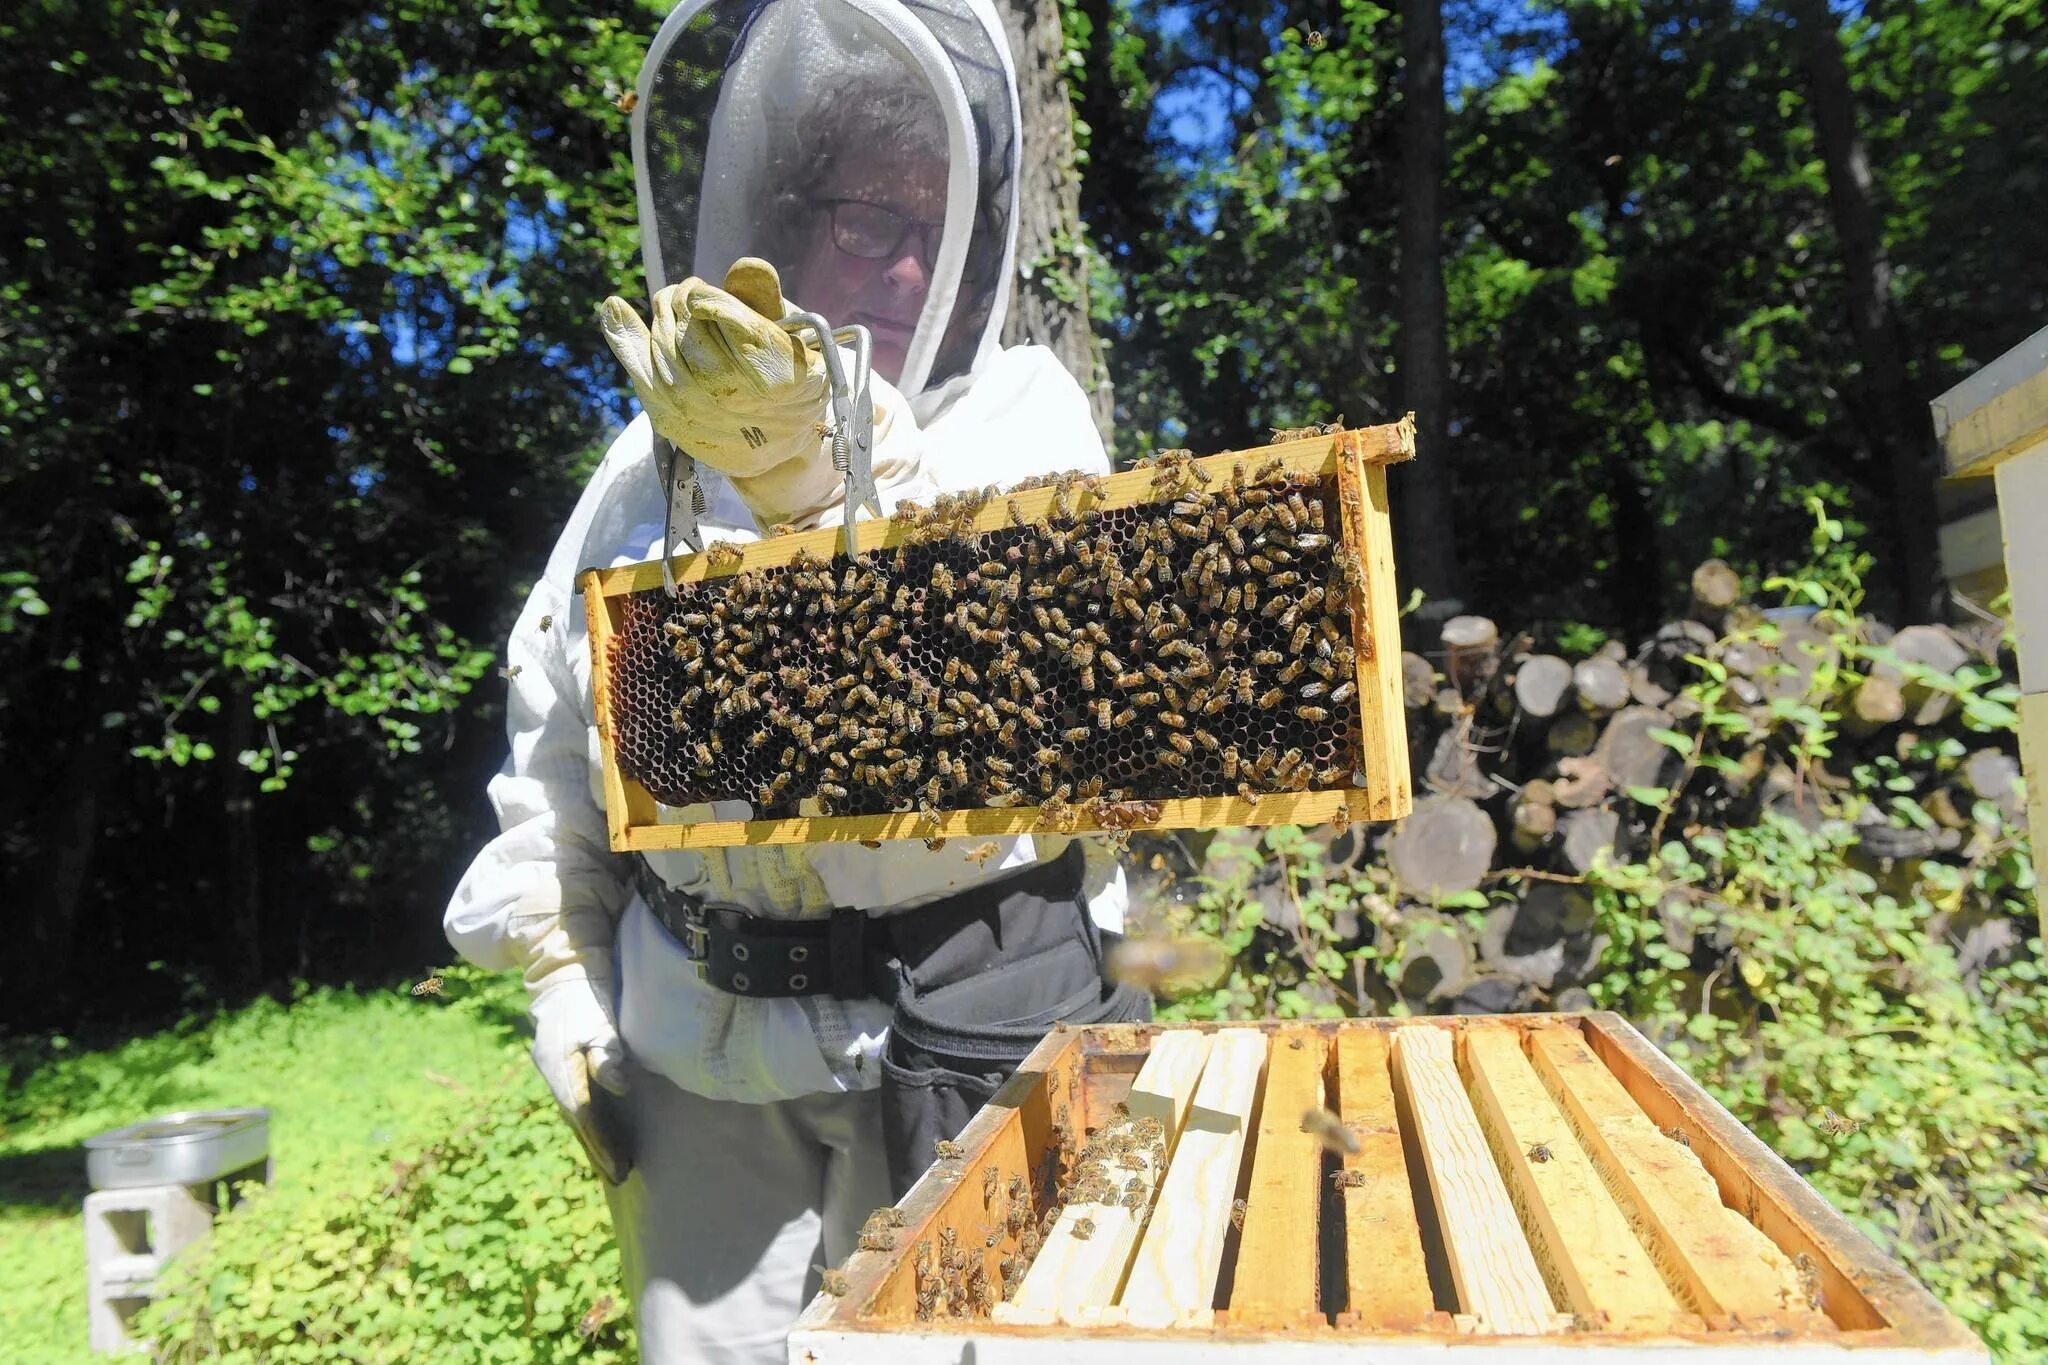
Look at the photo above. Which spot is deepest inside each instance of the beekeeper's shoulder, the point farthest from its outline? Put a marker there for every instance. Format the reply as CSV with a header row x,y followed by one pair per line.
x,y
621,492
1022,414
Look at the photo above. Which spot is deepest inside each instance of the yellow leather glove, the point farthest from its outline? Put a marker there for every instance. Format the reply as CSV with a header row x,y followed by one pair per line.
x,y
720,378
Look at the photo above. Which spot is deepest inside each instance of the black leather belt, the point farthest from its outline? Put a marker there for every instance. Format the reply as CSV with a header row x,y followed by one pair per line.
x,y
848,954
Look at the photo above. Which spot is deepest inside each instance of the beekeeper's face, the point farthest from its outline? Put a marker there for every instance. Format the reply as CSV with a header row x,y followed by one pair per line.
x,y
869,256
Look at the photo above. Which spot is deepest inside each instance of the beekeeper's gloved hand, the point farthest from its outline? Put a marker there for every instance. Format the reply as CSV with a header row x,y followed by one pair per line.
x,y
577,1049
720,378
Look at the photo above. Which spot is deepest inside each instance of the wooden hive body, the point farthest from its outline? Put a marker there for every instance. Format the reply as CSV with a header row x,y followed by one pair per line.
x,y
1353,730
1524,1188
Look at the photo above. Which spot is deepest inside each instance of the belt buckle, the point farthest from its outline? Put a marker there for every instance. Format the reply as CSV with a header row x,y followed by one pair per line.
x,y
697,940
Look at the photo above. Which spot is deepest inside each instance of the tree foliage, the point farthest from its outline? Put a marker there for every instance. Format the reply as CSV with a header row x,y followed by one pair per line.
x,y
1651,351
297,375
295,366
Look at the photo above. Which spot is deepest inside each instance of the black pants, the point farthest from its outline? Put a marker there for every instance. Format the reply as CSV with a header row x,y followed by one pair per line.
x,y
976,991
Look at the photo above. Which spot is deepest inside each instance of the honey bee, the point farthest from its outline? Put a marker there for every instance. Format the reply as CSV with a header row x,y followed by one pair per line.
x,y
928,1301
1347,1180
1329,1130
1809,1279
1342,692
546,624
1153,964
946,1151
1083,1229
1237,1212
876,1239
627,102
1838,1125
723,552
1314,715
1271,698
1678,1135
1538,1153
431,986
599,1313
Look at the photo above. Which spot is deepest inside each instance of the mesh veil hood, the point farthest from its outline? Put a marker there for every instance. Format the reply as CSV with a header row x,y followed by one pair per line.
x,y
745,103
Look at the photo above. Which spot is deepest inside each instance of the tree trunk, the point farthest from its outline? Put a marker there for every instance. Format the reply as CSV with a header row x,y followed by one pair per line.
x,y
1901,429
69,844
1422,507
1049,303
244,868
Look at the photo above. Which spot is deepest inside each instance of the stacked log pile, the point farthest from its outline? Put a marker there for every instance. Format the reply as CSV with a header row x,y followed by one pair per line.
x,y
1531,768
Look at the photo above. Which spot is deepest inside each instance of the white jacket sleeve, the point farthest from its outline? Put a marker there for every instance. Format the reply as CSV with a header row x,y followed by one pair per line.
x,y
544,895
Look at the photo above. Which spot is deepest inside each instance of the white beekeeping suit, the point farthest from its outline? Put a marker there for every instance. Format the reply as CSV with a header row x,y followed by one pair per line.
x,y
752,1122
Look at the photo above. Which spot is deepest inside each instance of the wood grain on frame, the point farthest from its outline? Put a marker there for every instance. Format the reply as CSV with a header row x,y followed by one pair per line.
x,y
1173,1280
1368,449
1074,1275
1376,629
1384,1262
1590,1256
1499,1283
1277,1281
1718,1264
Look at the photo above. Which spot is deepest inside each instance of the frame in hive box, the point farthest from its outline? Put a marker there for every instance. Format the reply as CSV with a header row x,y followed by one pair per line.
x,y
1525,1188
1167,701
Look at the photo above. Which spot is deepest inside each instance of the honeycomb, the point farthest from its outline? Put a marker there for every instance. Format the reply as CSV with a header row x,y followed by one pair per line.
x,y
1196,645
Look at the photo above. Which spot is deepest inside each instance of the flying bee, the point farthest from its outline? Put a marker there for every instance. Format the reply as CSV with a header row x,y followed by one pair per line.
x,y
1329,1130
1838,1125
1157,963
430,986
600,1312
509,673
1538,1152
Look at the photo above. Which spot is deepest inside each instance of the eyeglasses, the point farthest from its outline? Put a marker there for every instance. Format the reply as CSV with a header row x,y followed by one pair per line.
x,y
874,233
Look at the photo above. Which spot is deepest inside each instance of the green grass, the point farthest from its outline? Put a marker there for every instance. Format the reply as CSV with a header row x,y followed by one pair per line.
x,y
354,1080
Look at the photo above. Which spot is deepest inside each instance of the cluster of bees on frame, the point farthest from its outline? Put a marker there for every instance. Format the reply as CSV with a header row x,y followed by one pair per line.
x,y
1089,662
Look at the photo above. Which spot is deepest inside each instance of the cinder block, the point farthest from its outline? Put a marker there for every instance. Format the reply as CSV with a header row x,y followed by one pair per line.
x,y
129,1236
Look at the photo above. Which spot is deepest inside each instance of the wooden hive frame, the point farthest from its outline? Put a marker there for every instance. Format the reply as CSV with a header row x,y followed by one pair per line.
x,y
1531,1188
1355,461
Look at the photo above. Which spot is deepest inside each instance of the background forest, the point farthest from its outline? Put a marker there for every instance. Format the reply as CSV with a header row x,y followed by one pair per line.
x,y
298,372
299,375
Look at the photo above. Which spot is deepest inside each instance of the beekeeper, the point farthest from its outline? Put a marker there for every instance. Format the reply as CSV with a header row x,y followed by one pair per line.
x,y
758,1046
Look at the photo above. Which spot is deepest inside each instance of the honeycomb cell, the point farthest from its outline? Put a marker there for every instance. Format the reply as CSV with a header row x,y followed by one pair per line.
x,y
951,672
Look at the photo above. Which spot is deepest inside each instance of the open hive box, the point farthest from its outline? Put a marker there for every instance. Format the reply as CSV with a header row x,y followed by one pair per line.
x,y
1194,643
1523,1187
